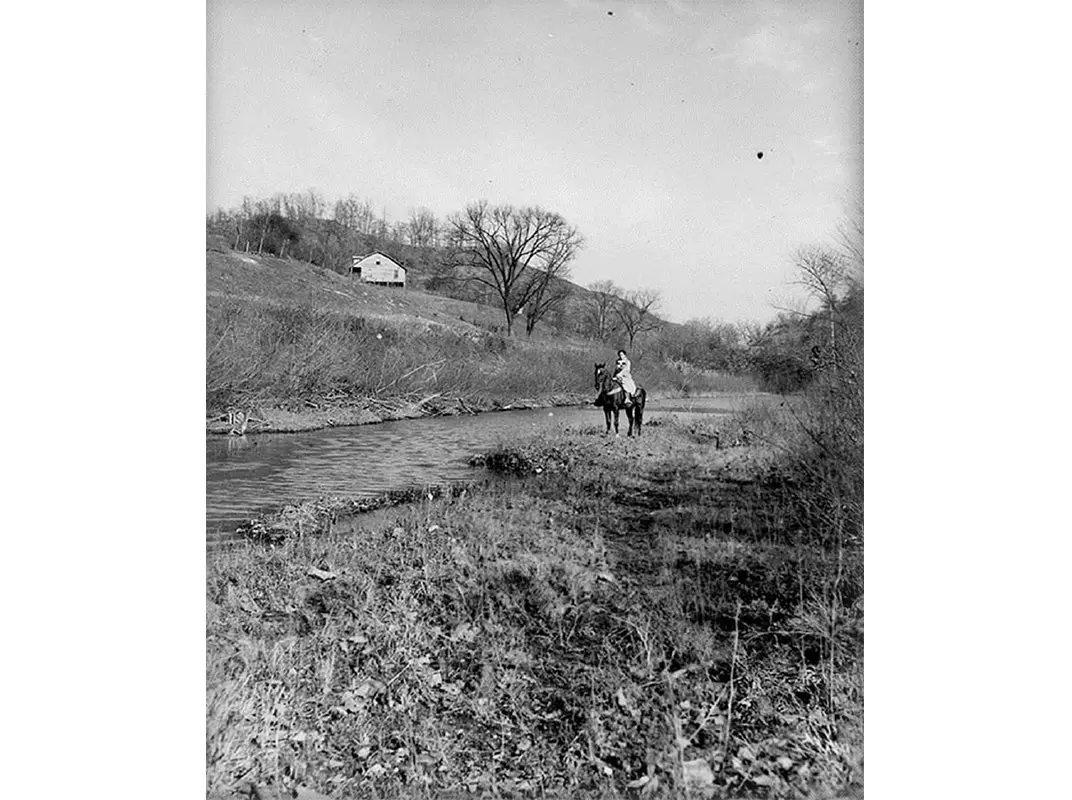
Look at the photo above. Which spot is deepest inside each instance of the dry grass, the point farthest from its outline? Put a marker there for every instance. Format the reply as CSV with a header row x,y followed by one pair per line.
x,y
627,617
306,359
290,338
264,354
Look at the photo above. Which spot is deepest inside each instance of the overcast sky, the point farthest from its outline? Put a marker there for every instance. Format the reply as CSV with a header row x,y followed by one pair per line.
x,y
639,122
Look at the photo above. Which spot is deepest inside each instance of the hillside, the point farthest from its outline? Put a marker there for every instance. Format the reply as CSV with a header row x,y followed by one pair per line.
x,y
324,248
296,346
293,346
269,280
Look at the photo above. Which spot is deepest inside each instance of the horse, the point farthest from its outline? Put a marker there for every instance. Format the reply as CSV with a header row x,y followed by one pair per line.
x,y
611,400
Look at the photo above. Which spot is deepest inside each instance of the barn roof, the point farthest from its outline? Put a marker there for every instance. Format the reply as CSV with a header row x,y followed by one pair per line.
x,y
378,253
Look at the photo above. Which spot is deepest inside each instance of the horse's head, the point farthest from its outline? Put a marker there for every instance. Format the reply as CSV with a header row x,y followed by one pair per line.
x,y
600,373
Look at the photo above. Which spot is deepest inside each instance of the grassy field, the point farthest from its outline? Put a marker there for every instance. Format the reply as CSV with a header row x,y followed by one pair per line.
x,y
296,346
663,617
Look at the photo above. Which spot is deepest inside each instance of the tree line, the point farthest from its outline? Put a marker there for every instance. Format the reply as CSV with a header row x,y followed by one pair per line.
x,y
819,343
825,343
516,258
519,259
303,225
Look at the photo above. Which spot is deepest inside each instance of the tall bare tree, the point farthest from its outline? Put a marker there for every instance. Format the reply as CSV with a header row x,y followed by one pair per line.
x,y
827,276
381,228
600,306
503,247
266,211
303,206
422,227
346,212
355,214
636,311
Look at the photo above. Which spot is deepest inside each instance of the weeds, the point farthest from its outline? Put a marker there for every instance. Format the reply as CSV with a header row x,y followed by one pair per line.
x,y
629,619
293,354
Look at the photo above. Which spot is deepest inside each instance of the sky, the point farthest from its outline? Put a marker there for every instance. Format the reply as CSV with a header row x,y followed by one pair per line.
x,y
639,122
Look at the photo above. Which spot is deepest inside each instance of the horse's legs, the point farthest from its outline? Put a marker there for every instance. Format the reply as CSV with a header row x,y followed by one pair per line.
x,y
629,416
616,422
606,414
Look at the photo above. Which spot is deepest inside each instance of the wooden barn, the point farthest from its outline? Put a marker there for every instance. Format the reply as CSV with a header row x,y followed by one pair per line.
x,y
378,268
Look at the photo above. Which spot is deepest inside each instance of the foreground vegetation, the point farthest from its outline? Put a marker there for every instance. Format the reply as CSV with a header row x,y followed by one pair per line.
x,y
670,616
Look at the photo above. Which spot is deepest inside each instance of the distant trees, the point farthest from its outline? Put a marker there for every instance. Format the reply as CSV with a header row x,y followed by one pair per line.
x,y
517,258
303,206
636,312
706,344
780,356
423,229
277,233
523,253
257,225
305,226
826,343
827,276
517,253
611,309
355,215
600,307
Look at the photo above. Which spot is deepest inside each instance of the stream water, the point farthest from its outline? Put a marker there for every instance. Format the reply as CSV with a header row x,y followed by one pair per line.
x,y
253,474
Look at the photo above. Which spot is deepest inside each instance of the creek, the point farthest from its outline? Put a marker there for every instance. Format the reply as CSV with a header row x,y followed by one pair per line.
x,y
250,475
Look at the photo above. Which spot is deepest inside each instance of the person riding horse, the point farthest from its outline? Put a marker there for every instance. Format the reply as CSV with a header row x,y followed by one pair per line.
x,y
623,376
619,392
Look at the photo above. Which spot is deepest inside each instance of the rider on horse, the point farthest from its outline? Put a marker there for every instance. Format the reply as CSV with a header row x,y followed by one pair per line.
x,y
623,376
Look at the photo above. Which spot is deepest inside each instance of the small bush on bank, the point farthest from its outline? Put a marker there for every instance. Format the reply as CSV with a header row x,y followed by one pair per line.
x,y
532,459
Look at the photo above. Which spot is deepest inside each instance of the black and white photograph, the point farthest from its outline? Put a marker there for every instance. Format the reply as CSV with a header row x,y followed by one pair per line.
x,y
534,382
465,399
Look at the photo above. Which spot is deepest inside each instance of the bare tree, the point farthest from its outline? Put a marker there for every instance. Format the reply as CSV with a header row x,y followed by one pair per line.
x,y
547,289
850,238
224,223
302,207
502,247
422,227
315,204
266,211
246,212
345,212
381,227
600,306
827,276
636,311
354,214
749,333
399,232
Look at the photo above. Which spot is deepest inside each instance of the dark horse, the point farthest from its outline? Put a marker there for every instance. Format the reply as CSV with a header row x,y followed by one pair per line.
x,y
612,401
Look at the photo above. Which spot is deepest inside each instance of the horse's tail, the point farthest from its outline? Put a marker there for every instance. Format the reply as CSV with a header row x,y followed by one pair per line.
x,y
638,411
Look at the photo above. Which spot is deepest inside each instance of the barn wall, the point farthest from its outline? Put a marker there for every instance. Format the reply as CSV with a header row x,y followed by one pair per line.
x,y
384,272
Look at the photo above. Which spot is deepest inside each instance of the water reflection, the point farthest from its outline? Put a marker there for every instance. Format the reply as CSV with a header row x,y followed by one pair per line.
x,y
236,444
247,475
